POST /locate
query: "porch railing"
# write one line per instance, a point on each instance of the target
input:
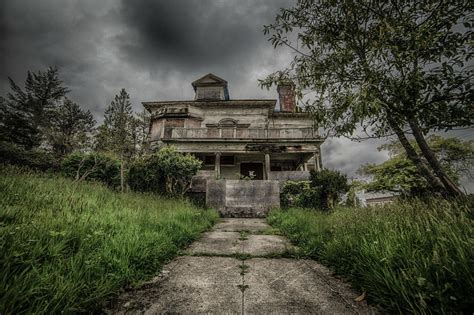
(240, 133)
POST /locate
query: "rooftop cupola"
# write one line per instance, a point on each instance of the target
(210, 88)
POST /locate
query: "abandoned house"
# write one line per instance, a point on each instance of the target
(247, 146)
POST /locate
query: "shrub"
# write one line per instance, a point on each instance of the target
(322, 192)
(410, 257)
(166, 171)
(93, 167)
(299, 194)
(331, 184)
(13, 154)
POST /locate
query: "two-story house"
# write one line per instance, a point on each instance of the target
(238, 139)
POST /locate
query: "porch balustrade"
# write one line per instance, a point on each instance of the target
(240, 133)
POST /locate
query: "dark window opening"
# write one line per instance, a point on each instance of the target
(227, 160)
(209, 160)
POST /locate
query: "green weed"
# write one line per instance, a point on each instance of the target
(410, 257)
(67, 247)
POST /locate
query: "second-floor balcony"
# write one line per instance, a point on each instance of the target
(306, 133)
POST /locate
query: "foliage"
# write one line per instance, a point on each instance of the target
(351, 198)
(93, 167)
(14, 154)
(166, 171)
(331, 185)
(321, 192)
(383, 66)
(115, 134)
(27, 112)
(141, 127)
(66, 247)
(399, 174)
(410, 257)
(70, 128)
(300, 194)
(455, 155)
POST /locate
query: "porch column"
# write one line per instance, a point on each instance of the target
(316, 161)
(267, 166)
(217, 165)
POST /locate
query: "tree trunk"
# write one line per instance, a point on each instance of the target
(432, 180)
(121, 172)
(451, 187)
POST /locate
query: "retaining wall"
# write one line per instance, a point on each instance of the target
(243, 198)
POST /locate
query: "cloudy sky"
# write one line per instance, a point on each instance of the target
(154, 49)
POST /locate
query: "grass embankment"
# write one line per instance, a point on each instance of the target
(408, 257)
(66, 247)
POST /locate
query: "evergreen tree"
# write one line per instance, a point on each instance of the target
(70, 128)
(26, 112)
(117, 132)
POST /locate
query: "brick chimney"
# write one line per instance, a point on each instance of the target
(286, 94)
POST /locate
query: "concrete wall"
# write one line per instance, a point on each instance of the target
(241, 198)
(290, 175)
(199, 181)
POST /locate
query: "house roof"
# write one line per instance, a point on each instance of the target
(209, 80)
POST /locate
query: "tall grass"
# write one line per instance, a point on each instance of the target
(409, 257)
(66, 247)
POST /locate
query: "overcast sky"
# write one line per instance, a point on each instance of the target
(153, 49)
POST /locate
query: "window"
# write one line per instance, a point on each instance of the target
(227, 160)
(209, 160)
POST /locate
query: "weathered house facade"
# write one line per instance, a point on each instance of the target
(238, 139)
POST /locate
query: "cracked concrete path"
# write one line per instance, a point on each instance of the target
(240, 268)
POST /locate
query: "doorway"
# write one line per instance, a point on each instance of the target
(252, 170)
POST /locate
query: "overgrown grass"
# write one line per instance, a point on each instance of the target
(409, 257)
(67, 247)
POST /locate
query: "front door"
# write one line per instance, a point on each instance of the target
(252, 170)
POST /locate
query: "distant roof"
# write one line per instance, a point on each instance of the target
(209, 79)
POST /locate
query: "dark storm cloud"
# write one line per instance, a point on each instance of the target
(154, 49)
(197, 34)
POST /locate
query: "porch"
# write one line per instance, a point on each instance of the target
(280, 167)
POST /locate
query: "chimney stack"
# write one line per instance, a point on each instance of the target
(287, 97)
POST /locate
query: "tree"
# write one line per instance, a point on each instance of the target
(70, 128)
(400, 175)
(331, 185)
(117, 132)
(27, 112)
(385, 67)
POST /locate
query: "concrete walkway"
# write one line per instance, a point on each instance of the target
(240, 268)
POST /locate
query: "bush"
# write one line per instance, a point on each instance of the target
(322, 192)
(65, 247)
(13, 154)
(299, 194)
(92, 167)
(166, 171)
(331, 184)
(410, 257)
